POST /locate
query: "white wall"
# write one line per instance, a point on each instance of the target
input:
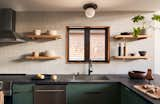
(27, 21)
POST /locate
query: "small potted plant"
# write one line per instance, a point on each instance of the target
(156, 18)
(141, 19)
(136, 31)
(139, 30)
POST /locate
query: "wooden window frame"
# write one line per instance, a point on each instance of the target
(87, 43)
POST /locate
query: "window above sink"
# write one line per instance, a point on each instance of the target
(87, 43)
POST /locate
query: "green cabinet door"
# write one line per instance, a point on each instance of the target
(93, 94)
(23, 94)
(130, 97)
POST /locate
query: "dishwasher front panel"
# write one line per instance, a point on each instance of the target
(50, 94)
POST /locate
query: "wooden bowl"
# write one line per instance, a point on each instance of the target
(136, 75)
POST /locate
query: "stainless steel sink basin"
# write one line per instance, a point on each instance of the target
(90, 78)
(76, 78)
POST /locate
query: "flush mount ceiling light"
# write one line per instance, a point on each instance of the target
(90, 9)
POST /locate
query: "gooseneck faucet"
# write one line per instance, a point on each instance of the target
(90, 67)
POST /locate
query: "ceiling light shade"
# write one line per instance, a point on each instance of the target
(90, 10)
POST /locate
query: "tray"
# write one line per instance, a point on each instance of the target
(155, 95)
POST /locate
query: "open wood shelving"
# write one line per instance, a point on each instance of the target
(42, 57)
(48, 37)
(130, 37)
(43, 37)
(130, 57)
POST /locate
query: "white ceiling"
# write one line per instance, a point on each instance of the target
(76, 5)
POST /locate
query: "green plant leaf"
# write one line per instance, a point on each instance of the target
(156, 18)
(136, 31)
(138, 18)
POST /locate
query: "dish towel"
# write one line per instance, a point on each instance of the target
(1, 97)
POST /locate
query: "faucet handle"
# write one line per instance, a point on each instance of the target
(74, 76)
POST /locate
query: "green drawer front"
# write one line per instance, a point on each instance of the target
(93, 94)
(22, 88)
(23, 98)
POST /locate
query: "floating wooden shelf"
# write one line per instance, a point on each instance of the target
(42, 58)
(130, 57)
(130, 37)
(52, 37)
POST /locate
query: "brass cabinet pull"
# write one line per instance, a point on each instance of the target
(49, 90)
(94, 92)
(18, 92)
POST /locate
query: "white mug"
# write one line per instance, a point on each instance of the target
(37, 32)
(52, 32)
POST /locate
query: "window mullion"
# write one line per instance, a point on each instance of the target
(87, 44)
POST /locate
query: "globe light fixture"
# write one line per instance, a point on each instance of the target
(90, 10)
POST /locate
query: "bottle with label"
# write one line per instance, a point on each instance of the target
(119, 49)
(124, 49)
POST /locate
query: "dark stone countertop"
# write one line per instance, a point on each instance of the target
(123, 79)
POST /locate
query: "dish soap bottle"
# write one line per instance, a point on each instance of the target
(149, 76)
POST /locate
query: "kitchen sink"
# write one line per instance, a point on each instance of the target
(77, 78)
(84, 78)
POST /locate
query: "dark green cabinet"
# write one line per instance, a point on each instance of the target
(22, 94)
(82, 93)
(102, 94)
(93, 94)
(130, 97)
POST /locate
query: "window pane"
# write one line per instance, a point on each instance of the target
(76, 45)
(97, 45)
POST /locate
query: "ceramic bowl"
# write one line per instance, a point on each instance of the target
(52, 32)
(136, 74)
(125, 33)
(49, 53)
(132, 54)
(142, 53)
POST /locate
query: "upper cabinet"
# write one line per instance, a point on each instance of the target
(84, 44)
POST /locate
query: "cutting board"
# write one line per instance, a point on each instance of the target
(155, 95)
